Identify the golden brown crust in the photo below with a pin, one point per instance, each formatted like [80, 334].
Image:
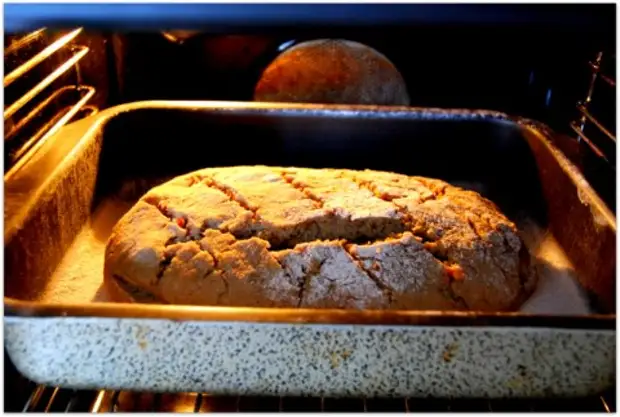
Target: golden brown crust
[286, 237]
[332, 71]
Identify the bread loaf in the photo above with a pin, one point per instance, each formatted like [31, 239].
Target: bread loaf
[332, 71]
[317, 238]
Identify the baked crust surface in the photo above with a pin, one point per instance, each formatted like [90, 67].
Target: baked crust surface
[318, 238]
[332, 71]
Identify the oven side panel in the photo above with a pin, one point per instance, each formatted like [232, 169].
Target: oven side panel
[42, 221]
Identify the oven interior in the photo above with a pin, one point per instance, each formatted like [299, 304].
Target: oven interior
[556, 72]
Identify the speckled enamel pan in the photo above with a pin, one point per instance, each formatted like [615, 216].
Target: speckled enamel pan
[50, 198]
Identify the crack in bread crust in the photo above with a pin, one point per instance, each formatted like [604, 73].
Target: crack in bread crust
[383, 287]
[438, 190]
[158, 206]
[441, 191]
[309, 273]
[458, 300]
[163, 266]
[484, 237]
[135, 292]
[290, 179]
[166, 259]
[318, 206]
[230, 192]
[408, 219]
[223, 293]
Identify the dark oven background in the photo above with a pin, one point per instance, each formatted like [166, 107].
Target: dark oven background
[538, 69]
[539, 72]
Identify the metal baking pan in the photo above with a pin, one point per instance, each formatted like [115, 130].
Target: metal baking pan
[61, 204]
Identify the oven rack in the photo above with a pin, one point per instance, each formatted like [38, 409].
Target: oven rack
[54, 399]
[36, 113]
[586, 118]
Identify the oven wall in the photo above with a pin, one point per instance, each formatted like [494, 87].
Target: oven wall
[534, 72]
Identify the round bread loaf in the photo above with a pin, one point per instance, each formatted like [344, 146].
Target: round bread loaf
[332, 71]
[317, 238]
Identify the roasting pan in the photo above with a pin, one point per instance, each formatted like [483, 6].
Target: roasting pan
[61, 203]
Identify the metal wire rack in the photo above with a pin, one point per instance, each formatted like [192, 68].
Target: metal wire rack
[588, 127]
[43, 91]
[51, 399]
